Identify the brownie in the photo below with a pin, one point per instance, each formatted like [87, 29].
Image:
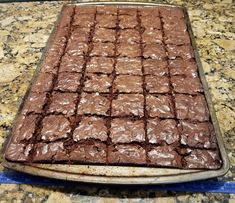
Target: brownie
[35, 103]
[71, 63]
[176, 38]
[151, 22]
[55, 127]
[128, 105]
[94, 104]
[91, 128]
[154, 51]
[171, 13]
[160, 106]
[92, 152]
[203, 159]
[183, 51]
[50, 151]
[68, 82]
[152, 36]
[127, 131]
[155, 84]
[84, 20]
[128, 84]
[199, 135]
[18, 152]
[103, 49]
[184, 68]
[106, 21]
[191, 107]
[51, 63]
[43, 83]
[110, 10]
[164, 156]
[100, 65]
[89, 10]
[104, 35]
[128, 50]
[170, 25]
[163, 132]
[80, 34]
[155, 67]
[129, 36]
[127, 22]
[63, 103]
[126, 154]
[127, 11]
[75, 48]
[153, 12]
[129, 66]
[186, 85]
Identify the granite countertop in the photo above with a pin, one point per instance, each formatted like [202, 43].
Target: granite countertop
[24, 30]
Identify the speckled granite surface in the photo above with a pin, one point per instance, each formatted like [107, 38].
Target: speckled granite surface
[24, 30]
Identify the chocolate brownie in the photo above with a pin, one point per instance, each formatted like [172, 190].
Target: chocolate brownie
[110, 10]
[103, 49]
[127, 22]
[104, 35]
[129, 36]
[151, 22]
[18, 152]
[43, 83]
[128, 50]
[154, 51]
[152, 36]
[71, 63]
[75, 48]
[106, 21]
[129, 66]
[127, 11]
[183, 51]
[155, 84]
[155, 67]
[80, 35]
[84, 20]
[100, 65]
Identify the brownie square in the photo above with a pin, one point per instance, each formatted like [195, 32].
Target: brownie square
[55, 127]
[127, 131]
[126, 21]
[110, 10]
[100, 65]
[156, 84]
[80, 34]
[129, 66]
[88, 10]
[106, 21]
[34, 103]
[129, 36]
[104, 35]
[126, 154]
[155, 67]
[76, 48]
[171, 25]
[199, 158]
[171, 13]
[68, 82]
[176, 38]
[183, 51]
[103, 49]
[50, 152]
[63, 103]
[154, 51]
[18, 152]
[164, 156]
[128, 104]
[43, 83]
[71, 63]
[97, 83]
[153, 12]
[151, 22]
[128, 84]
[83, 20]
[160, 106]
[94, 104]
[128, 50]
[24, 128]
[127, 11]
[183, 67]
[191, 107]
[186, 85]
[163, 132]
[91, 128]
[90, 152]
[51, 63]
[197, 135]
[151, 36]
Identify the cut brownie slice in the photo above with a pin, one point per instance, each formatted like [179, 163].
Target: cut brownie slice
[71, 63]
[126, 154]
[94, 104]
[63, 103]
[100, 65]
[163, 131]
[128, 50]
[90, 152]
[80, 34]
[75, 48]
[151, 22]
[176, 38]
[127, 131]
[110, 10]
[127, 11]
[191, 107]
[151, 36]
[155, 67]
[129, 36]
[104, 35]
[91, 128]
[97, 83]
[83, 20]
[43, 83]
[128, 84]
[128, 105]
[154, 51]
[55, 128]
[103, 49]
[160, 106]
[127, 22]
[155, 84]
[106, 21]
[129, 66]
[198, 135]
[183, 51]
[164, 156]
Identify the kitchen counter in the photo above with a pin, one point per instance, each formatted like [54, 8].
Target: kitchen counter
[24, 30]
